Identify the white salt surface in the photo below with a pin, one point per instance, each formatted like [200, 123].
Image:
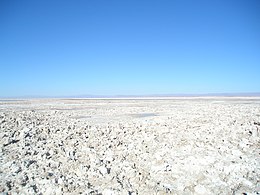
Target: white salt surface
[179, 146]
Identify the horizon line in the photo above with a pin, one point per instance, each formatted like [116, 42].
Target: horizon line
[91, 96]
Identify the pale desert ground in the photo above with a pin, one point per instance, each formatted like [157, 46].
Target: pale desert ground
[130, 146]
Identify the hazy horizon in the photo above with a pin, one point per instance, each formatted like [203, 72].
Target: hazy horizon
[253, 94]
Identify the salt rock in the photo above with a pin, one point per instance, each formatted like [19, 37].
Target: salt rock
[103, 170]
[108, 192]
[200, 189]
[237, 152]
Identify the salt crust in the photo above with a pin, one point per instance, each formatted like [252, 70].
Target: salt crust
[179, 146]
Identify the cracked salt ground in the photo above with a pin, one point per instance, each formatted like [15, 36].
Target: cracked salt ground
[194, 147]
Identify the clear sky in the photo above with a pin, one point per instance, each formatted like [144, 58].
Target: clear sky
[132, 47]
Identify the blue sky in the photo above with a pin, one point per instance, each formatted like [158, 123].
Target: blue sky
[56, 48]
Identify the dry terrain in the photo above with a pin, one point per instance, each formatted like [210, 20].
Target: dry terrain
[130, 146]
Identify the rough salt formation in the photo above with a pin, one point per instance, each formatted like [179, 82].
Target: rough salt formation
[179, 146]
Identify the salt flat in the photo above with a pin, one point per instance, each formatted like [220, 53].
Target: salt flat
[130, 146]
